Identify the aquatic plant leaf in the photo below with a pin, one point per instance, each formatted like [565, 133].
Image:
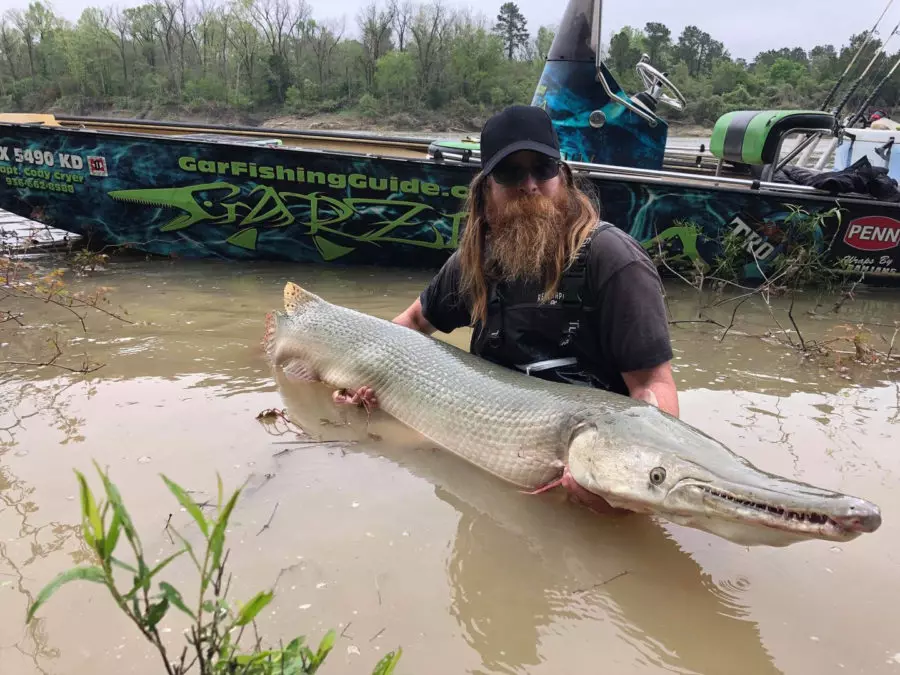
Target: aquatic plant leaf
[115, 498]
[125, 566]
[145, 575]
[185, 500]
[325, 646]
[388, 663]
[217, 538]
[92, 525]
[254, 607]
[157, 612]
[112, 538]
[156, 570]
[92, 573]
[174, 597]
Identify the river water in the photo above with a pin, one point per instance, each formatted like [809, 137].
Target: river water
[392, 543]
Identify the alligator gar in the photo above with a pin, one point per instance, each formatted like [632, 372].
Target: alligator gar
[528, 432]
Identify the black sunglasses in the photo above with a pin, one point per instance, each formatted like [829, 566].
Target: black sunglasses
[512, 173]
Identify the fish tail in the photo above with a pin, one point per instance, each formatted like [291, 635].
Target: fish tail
[296, 297]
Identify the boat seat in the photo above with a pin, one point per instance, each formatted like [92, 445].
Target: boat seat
[754, 137]
[465, 150]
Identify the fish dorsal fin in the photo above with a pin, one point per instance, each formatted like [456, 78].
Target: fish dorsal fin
[296, 297]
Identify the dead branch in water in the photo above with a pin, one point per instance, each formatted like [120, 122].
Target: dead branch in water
[85, 367]
[271, 518]
[802, 263]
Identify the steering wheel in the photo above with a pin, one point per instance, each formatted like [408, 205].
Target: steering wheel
[655, 81]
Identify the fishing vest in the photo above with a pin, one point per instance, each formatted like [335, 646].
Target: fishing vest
[548, 340]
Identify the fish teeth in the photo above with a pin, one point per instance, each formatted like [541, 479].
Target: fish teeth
[802, 517]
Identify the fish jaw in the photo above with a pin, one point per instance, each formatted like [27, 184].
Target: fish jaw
[653, 464]
[749, 515]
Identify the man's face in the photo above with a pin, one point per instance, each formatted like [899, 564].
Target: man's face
[526, 213]
[524, 173]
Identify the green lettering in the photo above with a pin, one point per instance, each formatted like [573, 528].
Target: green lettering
[285, 174]
[357, 180]
[205, 166]
[431, 189]
[315, 177]
[266, 172]
[460, 191]
[187, 163]
[410, 187]
[337, 180]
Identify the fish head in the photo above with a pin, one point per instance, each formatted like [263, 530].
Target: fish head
[643, 460]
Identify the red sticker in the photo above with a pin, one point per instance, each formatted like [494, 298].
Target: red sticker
[97, 165]
[873, 233]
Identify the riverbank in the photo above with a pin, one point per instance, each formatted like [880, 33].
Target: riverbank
[462, 119]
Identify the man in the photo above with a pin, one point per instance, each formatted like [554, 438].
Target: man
[549, 288]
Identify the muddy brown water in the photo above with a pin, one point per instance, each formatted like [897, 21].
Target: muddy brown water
[392, 543]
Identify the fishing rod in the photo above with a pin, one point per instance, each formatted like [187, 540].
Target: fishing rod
[811, 141]
[859, 51]
[840, 106]
[857, 116]
[834, 141]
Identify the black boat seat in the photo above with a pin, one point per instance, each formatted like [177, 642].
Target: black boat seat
[754, 137]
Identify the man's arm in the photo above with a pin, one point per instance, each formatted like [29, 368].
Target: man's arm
[633, 324]
[412, 317]
[654, 385]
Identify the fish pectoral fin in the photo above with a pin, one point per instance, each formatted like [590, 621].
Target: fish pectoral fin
[549, 486]
[296, 369]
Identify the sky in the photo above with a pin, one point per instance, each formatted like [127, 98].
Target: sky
[746, 28]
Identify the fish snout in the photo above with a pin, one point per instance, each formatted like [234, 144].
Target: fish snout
[860, 516]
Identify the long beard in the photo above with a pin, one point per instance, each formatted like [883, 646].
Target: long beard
[527, 238]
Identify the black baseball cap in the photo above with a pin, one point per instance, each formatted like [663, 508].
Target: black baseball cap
[518, 127]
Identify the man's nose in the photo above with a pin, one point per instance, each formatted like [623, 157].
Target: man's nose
[528, 184]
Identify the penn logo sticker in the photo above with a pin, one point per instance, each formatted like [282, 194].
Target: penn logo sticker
[873, 233]
[97, 166]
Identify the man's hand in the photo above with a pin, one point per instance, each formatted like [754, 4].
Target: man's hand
[364, 396]
[655, 386]
[411, 317]
[595, 503]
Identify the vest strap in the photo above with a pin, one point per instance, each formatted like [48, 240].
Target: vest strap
[573, 279]
[538, 366]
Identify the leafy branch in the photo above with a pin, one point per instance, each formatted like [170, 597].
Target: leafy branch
[215, 619]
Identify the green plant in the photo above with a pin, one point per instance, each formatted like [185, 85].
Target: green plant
[211, 646]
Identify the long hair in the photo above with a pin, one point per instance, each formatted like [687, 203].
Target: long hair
[582, 215]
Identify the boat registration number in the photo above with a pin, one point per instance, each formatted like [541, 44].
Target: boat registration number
[63, 160]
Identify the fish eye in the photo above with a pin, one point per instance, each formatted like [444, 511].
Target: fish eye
[657, 475]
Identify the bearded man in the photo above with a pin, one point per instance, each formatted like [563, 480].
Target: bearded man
[548, 287]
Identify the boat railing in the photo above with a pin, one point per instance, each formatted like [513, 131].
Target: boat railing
[663, 177]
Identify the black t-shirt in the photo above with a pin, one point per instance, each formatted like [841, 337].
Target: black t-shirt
[630, 319]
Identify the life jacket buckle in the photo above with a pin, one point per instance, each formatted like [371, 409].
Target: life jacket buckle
[569, 333]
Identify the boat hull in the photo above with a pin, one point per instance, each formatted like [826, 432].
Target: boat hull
[249, 201]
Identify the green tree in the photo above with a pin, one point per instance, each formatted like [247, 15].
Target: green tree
[543, 42]
[787, 71]
[512, 27]
[624, 52]
[396, 78]
[658, 42]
